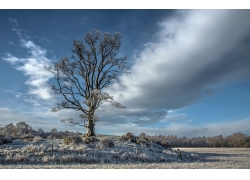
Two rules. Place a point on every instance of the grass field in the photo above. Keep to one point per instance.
(22, 155)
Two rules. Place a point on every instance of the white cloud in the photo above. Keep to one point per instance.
(11, 43)
(13, 60)
(192, 51)
(33, 67)
(13, 21)
(16, 94)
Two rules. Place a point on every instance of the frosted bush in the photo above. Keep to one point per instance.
(37, 139)
(31, 148)
(16, 158)
(144, 157)
(128, 156)
(91, 140)
(72, 140)
(99, 145)
(81, 147)
(108, 143)
(129, 137)
(47, 159)
(27, 137)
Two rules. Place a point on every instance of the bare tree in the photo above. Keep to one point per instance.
(92, 67)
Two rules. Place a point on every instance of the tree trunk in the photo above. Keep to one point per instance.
(90, 127)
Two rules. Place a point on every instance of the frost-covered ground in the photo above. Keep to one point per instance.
(123, 155)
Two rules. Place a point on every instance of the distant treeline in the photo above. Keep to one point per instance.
(234, 140)
(22, 129)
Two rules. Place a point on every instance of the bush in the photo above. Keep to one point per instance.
(129, 137)
(37, 139)
(50, 137)
(72, 140)
(2, 139)
(142, 142)
(91, 140)
(27, 137)
(108, 142)
(165, 144)
(8, 140)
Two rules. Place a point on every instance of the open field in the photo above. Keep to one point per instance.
(24, 155)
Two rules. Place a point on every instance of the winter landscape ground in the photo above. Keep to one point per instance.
(114, 153)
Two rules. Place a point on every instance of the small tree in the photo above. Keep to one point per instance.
(82, 77)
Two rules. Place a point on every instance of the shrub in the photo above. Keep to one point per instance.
(37, 139)
(165, 144)
(30, 148)
(99, 145)
(72, 140)
(8, 140)
(1, 138)
(16, 158)
(108, 142)
(129, 137)
(142, 142)
(27, 137)
(50, 137)
(47, 158)
(91, 140)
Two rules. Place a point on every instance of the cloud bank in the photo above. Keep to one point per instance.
(193, 51)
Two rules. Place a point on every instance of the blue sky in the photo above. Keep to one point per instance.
(190, 69)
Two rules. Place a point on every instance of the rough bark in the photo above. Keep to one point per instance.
(91, 125)
(90, 129)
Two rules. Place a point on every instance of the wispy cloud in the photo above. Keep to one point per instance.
(11, 43)
(33, 67)
(13, 21)
(16, 94)
(42, 39)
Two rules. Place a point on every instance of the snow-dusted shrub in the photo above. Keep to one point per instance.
(142, 142)
(8, 140)
(129, 137)
(5, 140)
(108, 142)
(16, 158)
(47, 159)
(50, 137)
(1, 138)
(37, 139)
(145, 157)
(91, 140)
(99, 145)
(72, 140)
(81, 147)
(27, 137)
(77, 139)
(32, 148)
(164, 144)
(128, 156)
